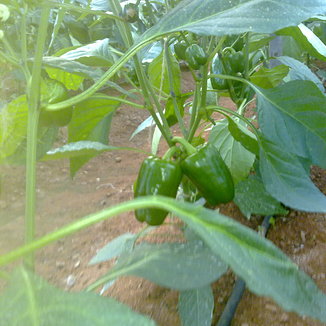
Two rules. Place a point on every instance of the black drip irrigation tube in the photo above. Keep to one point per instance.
(239, 287)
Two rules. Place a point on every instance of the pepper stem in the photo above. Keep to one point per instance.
(169, 153)
(187, 146)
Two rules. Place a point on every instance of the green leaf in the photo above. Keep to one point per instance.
(245, 137)
(300, 71)
(114, 248)
(178, 266)
(45, 140)
(252, 198)
(90, 121)
(74, 67)
(31, 301)
(293, 116)
(71, 81)
(269, 78)
(218, 18)
(286, 179)
(13, 126)
(307, 40)
(238, 159)
(196, 306)
(266, 269)
(159, 77)
(257, 41)
(82, 148)
(94, 54)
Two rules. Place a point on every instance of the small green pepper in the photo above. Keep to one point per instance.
(208, 172)
(218, 69)
(156, 177)
(130, 13)
(236, 61)
(180, 50)
(53, 92)
(195, 56)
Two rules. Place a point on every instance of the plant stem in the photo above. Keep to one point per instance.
(23, 28)
(187, 146)
(194, 112)
(32, 131)
(144, 202)
(172, 91)
(125, 31)
(241, 117)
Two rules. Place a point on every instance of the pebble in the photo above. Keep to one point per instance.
(59, 264)
(117, 159)
(98, 179)
(303, 236)
(71, 280)
(271, 307)
(244, 324)
(77, 264)
(284, 317)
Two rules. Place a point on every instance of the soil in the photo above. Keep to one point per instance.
(107, 180)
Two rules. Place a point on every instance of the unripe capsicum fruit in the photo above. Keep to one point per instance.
(53, 92)
(209, 173)
(195, 56)
(156, 177)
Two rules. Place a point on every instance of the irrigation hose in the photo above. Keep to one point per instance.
(239, 287)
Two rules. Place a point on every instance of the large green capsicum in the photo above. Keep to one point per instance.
(156, 177)
(208, 172)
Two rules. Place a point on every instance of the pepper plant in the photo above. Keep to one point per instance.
(224, 44)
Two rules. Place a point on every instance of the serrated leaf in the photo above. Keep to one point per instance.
(300, 71)
(252, 198)
(196, 306)
(31, 301)
(113, 249)
(293, 116)
(223, 17)
(93, 54)
(286, 179)
(238, 159)
(178, 266)
(307, 40)
(82, 148)
(268, 78)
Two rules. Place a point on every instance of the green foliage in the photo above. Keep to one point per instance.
(194, 265)
(81, 40)
(252, 198)
(236, 156)
(196, 306)
(36, 303)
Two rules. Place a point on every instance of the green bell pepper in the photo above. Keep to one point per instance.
(218, 69)
(180, 50)
(195, 56)
(156, 177)
(208, 172)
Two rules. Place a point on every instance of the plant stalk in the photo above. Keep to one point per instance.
(33, 87)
